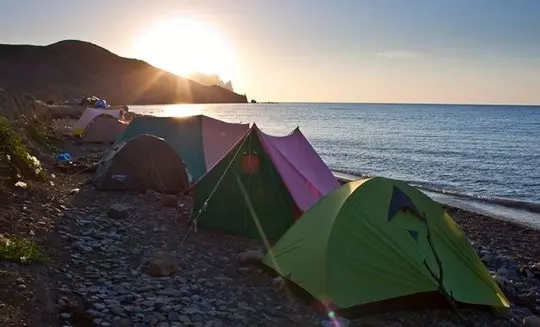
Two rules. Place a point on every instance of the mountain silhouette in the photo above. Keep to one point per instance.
(72, 69)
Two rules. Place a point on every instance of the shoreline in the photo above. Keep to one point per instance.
(498, 211)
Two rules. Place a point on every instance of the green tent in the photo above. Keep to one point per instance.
(279, 176)
(200, 141)
(219, 201)
(366, 243)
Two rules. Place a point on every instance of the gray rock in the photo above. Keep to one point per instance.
(161, 264)
(165, 309)
(173, 316)
(118, 211)
(159, 316)
(21, 287)
(244, 270)
(99, 306)
(531, 321)
(65, 315)
(238, 316)
(123, 322)
(243, 305)
(487, 258)
(117, 311)
(151, 320)
(184, 319)
(249, 258)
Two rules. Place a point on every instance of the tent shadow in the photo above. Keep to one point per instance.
(417, 302)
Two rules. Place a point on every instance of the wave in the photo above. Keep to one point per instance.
(429, 187)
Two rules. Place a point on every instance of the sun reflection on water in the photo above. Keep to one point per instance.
(180, 110)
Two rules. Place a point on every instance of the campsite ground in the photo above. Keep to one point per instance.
(90, 270)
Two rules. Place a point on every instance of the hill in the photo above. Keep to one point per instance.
(72, 69)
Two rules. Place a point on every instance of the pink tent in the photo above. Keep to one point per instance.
(302, 170)
(218, 138)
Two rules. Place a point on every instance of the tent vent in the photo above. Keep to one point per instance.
(414, 234)
(400, 201)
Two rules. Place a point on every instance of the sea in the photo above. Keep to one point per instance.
(481, 158)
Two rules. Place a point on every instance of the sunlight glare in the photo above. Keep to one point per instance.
(182, 110)
(184, 46)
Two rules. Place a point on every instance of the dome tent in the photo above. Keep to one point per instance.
(89, 115)
(103, 129)
(141, 163)
(376, 241)
(199, 140)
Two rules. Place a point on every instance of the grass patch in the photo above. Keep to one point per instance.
(19, 250)
(16, 162)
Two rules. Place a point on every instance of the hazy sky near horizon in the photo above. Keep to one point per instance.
(459, 51)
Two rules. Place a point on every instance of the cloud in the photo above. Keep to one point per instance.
(401, 54)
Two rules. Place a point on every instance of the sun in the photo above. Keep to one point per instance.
(185, 46)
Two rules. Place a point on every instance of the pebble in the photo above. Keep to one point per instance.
(65, 315)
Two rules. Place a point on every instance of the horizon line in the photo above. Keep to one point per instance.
(406, 103)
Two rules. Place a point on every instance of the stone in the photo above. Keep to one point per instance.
(123, 322)
(65, 315)
(238, 316)
(159, 316)
(244, 270)
(117, 311)
(169, 201)
(173, 316)
(249, 258)
(527, 299)
(165, 309)
(501, 312)
(242, 305)
(161, 264)
(531, 321)
(487, 258)
(118, 211)
(151, 320)
(184, 319)
(99, 306)
(21, 287)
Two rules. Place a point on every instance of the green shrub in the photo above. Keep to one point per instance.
(19, 250)
(15, 160)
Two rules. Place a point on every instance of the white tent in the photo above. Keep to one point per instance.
(89, 115)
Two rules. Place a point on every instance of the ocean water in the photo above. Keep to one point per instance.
(479, 156)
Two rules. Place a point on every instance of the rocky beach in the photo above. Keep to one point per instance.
(133, 259)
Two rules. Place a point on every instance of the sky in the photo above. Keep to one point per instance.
(416, 51)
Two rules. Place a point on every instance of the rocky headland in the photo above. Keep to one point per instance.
(72, 69)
